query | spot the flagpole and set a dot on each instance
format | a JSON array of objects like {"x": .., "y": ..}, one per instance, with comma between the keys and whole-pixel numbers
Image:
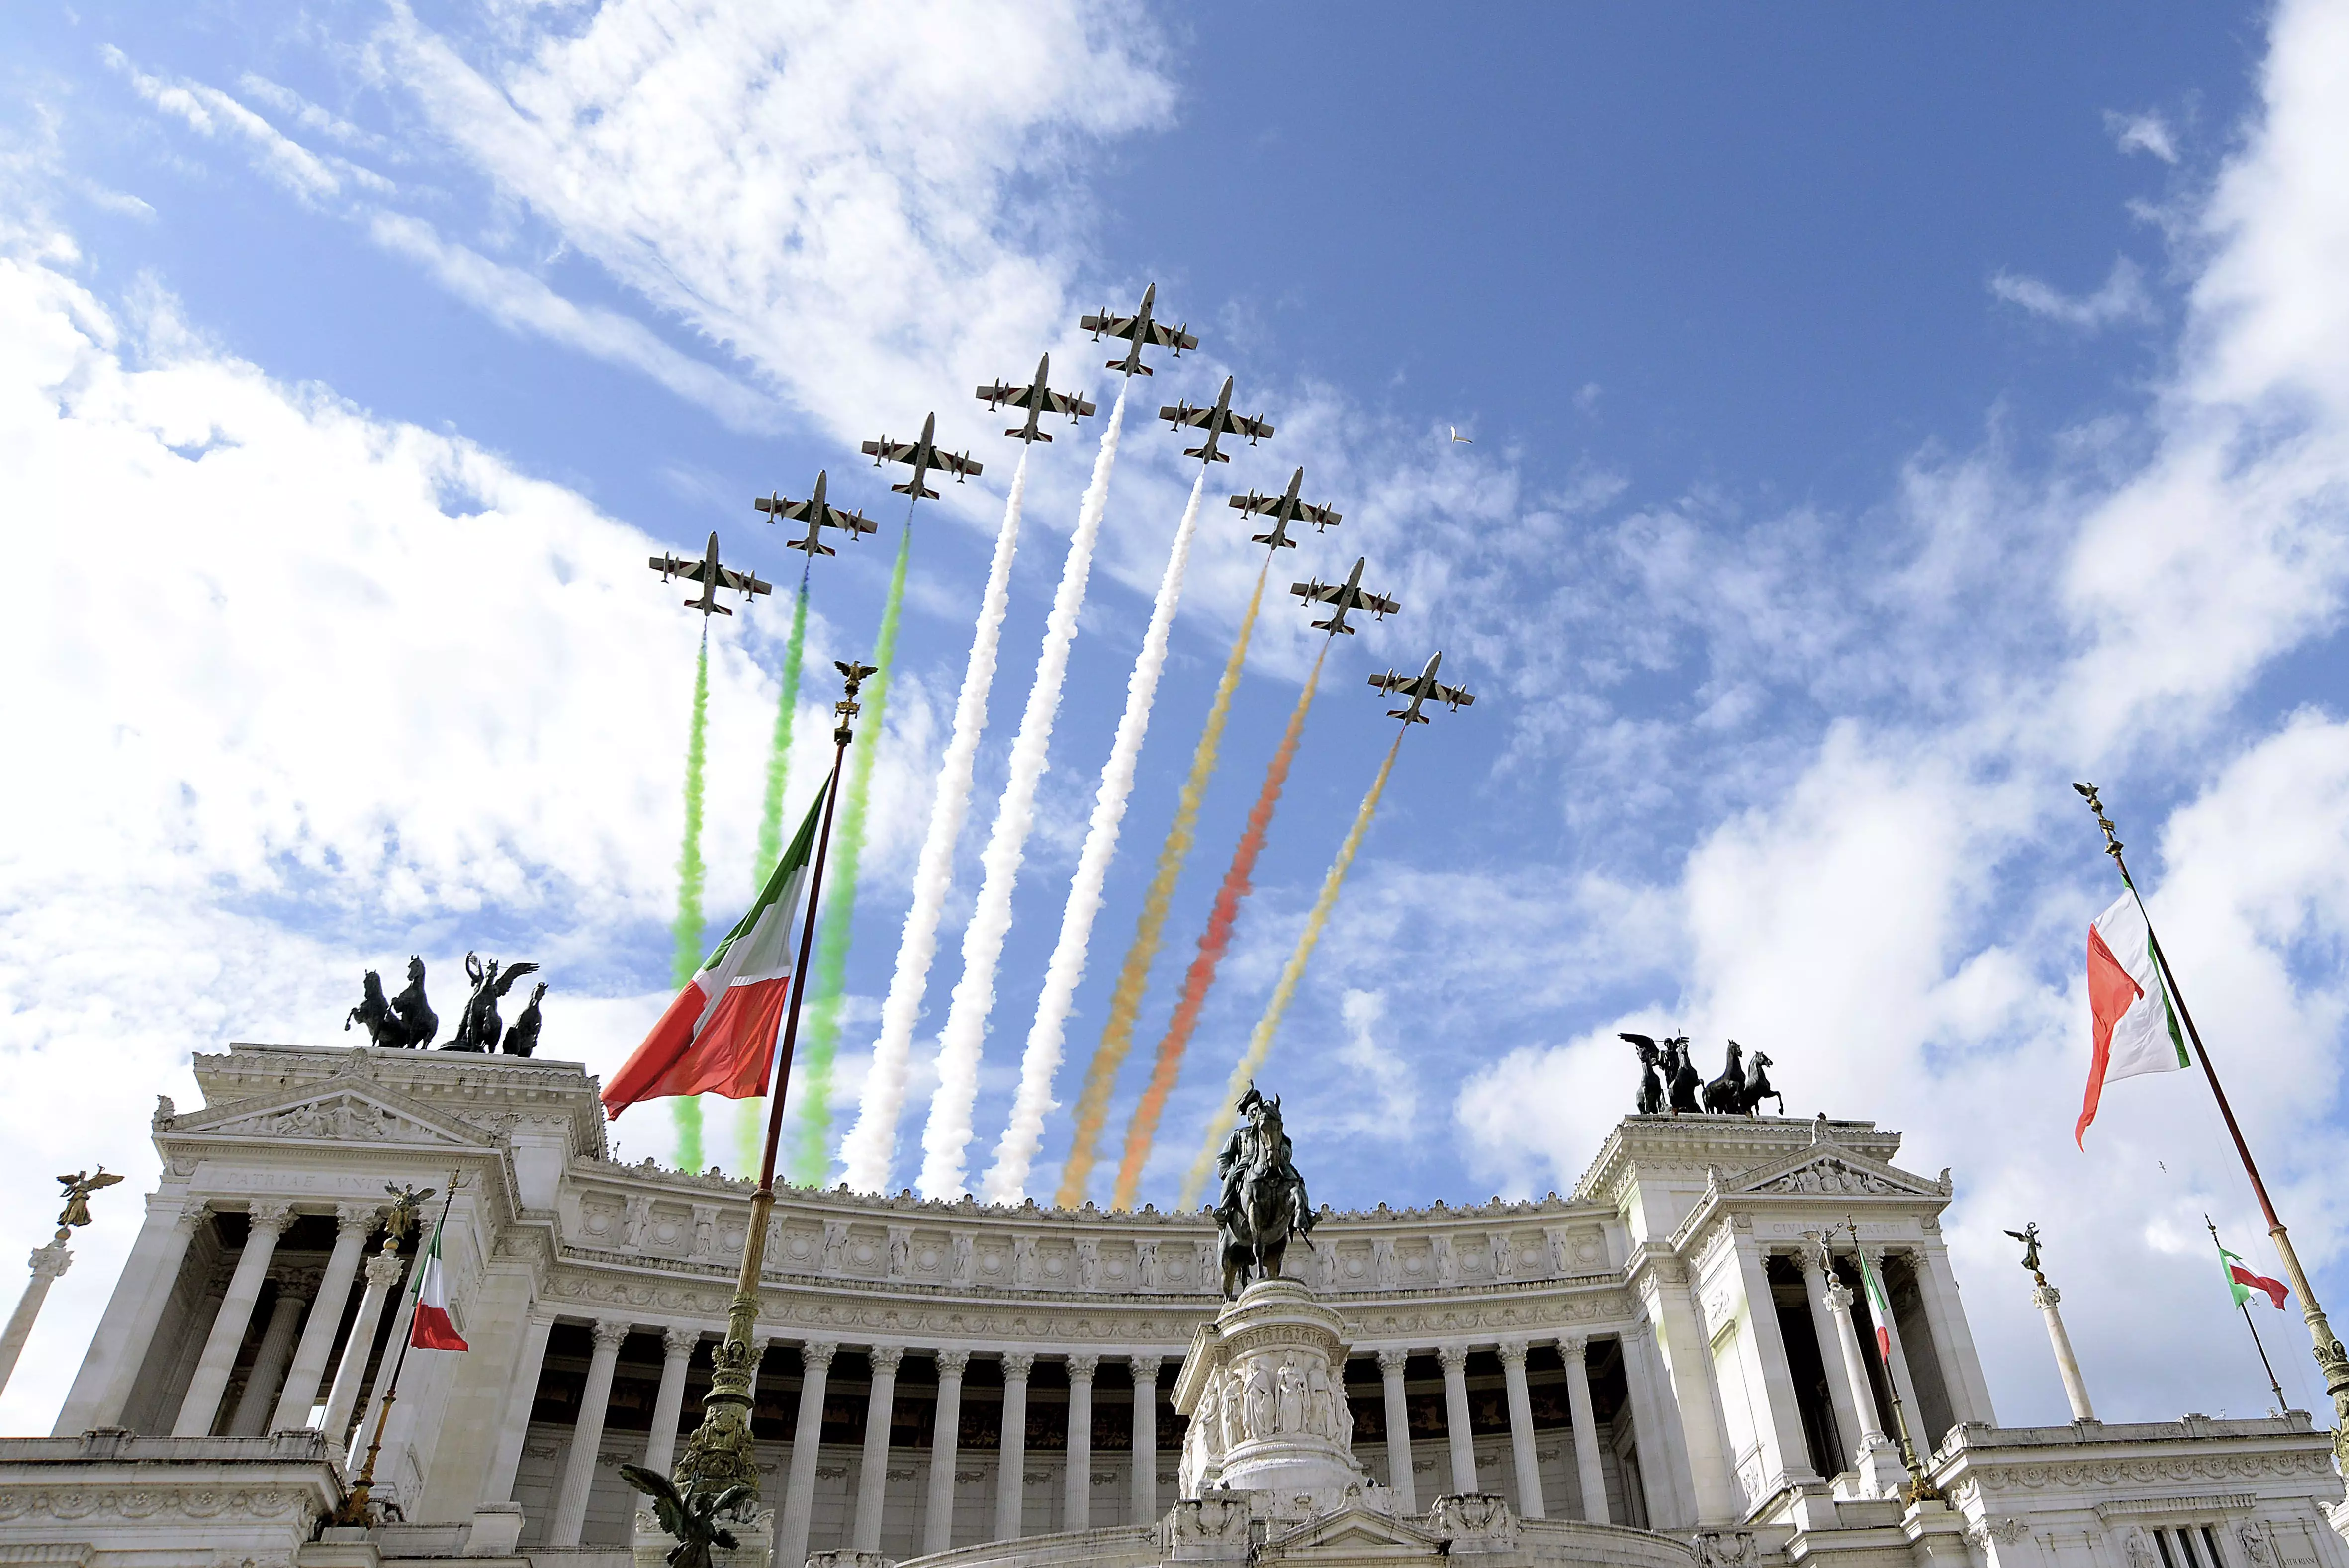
[
  {"x": 719, "y": 1456},
  {"x": 2243, "y": 1305},
  {"x": 1921, "y": 1486},
  {"x": 2331, "y": 1360},
  {"x": 354, "y": 1510}
]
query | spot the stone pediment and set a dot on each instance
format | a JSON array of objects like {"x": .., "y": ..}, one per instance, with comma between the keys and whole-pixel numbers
[
  {"x": 1353, "y": 1531},
  {"x": 330, "y": 1113},
  {"x": 1828, "y": 1169}
]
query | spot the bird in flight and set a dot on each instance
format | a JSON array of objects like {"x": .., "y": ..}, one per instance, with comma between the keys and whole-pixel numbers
[{"x": 1461, "y": 439}]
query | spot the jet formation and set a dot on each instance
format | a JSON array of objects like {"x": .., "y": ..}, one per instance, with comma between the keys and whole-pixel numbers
[{"x": 1035, "y": 400}]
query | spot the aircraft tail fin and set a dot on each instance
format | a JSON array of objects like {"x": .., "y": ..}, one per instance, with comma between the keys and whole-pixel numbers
[
  {"x": 1022, "y": 430},
  {"x": 1405, "y": 715},
  {"x": 919, "y": 492}
]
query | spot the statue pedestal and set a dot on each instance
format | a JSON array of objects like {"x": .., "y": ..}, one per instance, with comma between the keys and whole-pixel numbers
[
  {"x": 1264, "y": 1387},
  {"x": 650, "y": 1545}
]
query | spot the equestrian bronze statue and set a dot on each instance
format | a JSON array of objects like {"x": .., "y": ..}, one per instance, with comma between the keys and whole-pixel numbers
[{"x": 1264, "y": 1202}]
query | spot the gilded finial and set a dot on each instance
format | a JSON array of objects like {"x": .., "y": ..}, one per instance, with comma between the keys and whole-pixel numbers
[{"x": 2112, "y": 843}]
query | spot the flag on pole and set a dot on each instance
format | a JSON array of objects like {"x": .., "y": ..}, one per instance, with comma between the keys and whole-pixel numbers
[
  {"x": 2243, "y": 1281},
  {"x": 718, "y": 1035},
  {"x": 1879, "y": 1307},
  {"x": 2135, "y": 1021},
  {"x": 433, "y": 1331}
]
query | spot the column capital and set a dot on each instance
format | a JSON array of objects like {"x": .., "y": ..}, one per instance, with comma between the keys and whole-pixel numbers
[
  {"x": 51, "y": 1261},
  {"x": 2046, "y": 1296},
  {"x": 816, "y": 1354},
  {"x": 382, "y": 1270},
  {"x": 953, "y": 1363},
  {"x": 1840, "y": 1295},
  {"x": 269, "y": 1217},
  {"x": 677, "y": 1339},
  {"x": 357, "y": 1219},
  {"x": 1391, "y": 1362},
  {"x": 1017, "y": 1364},
  {"x": 608, "y": 1332},
  {"x": 1512, "y": 1352},
  {"x": 1083, "y": 1367},
  {"x": 1145, "y": 1367},
  {"x": 1453, "y": 1359},
  {"x": 1812, "y": 1256},
  {"x": 192, "y": 1216},
  {"x": 1573, "y": 1347},
  {"x": 885, "y": 1358}
]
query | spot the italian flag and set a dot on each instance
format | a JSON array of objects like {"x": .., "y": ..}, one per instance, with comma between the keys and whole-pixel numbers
[
  {"x": 1879, "y": 1307},
  {"x": 2135, "y": 1023},
  {"x": 2243, "y": 1281},
  {"x": 432, "y": 1329},
  {"x": 718, "y": 1035}
]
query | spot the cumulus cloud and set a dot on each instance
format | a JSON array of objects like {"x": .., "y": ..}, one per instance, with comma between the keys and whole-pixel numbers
[
  {"x": 2122, "y": 297},
  {"x": 2147, "y": 133}
]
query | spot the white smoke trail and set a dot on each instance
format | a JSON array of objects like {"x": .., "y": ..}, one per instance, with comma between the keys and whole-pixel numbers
[
  {"x": 1007, "y": 1180},
  {"x": 947, "y": 1133},
  {"x": 866, "y": 1153}
]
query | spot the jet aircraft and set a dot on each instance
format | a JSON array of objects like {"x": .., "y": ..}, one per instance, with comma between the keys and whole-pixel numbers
[
  {"x": 1037, "y": 398},
  {"x": 712, "y": 577},
  {"x": 1420, "y": 688},
  {"x": 1217, "y": 421},
  {"x": 817, "y": 513},
  {"x": 1141, "y": 331},
  {"x": 922, "y": 455},
  {"x": 1348, "y": 595},
  {"x": 1283, "y": 509}
]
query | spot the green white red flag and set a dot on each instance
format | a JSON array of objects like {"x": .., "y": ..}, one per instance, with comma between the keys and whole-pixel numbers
[
  {"x": 1879, "y": 1308},
  {"x": 2135, "y": 1020},
  {"x": 718, "y": 1035},
  {"x": 433, "y": 1330},
  {"x": 2243, "y": 1281}
]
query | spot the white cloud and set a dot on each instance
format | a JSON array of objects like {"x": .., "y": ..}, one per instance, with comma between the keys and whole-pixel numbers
[
  {"x": 2147, "y": 133},
  {"x": 2121, "y": 298}
]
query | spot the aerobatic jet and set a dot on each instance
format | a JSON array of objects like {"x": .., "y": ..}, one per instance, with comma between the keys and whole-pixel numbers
[
  {"x": 1217, "y": 421},
  {"x": 1037, "y": 398},
  {"x": 922, "y": 455},
  {"x": 817, "y": 513},
  {"x": 1140, "y": 331},
  {"x": 712, "y": 577},
  {"x": 1348, "y": 595},
  {"x": 1283, "y": 509},
  {"x": 1420, "y": 688}
]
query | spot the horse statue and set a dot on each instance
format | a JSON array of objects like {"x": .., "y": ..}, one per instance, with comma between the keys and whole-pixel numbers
[
  {"x": 416, "y": 1015},
  {"x": 522, "y": 1039},
  {"x": 1264, "y": 1203},
  {"x": 478, "y": 1027},
  {"x": 1758, "y": 1086},
  {"x": 374, "y": 1014},
  {"x": 1726, "y": 1094},
  {"x": 1651, "y": 1085},
  {"x": 1681, "y": 1074}
]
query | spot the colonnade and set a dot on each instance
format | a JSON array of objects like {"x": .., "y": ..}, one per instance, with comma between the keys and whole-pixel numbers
[{"x": 1460, "y": 1438}]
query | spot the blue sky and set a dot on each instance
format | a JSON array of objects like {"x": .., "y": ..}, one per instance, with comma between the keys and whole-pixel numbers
[{"x": 1879, "y": 420}]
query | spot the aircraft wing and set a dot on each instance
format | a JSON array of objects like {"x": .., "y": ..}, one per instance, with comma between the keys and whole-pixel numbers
[
  {"x": 1319, "y": 592},
  {"x": 1254, "y": 429},
  {"x": 958, "y": 465},
  {"x": 1109, "y": 326},
  {"x": 1167, "y": 336},
  {"x": 1378, "y": 604},
  {"x": 1064, "y": 403},
  {"x": 1318, "y": 516},
  {"x": 995, "y": 396},
  {"x": 1182, "y": 414},
  {"x": 889, "y": 451},
  {"x": 791, "y": 511},
  {"x": 670, "y": 566},
  {"x": 1453, "y": 697},
  {"x": 743, "y": 582},
  {"x": 850, "y": 521},
  {"x": 1406, "y": 685}
]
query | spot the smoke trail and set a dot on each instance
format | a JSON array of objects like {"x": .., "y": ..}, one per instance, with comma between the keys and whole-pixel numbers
[
  {"x": 1015, "y": 1152},
  {"x": 750, "y": 1115},
  {"x": 1261, "y": 1042},
  {"x": 686, "y": 934},
  {"x": 866, "y": 1151},
  {"x": 1150, "y": 930},
  {"x": 947, "y": 1133},
  {"x": 1166, "y": 1065},
  {"x": 822, "y": 1040}
]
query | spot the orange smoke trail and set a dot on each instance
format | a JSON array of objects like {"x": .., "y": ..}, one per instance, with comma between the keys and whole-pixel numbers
[
  {"x": 1150, "y": 931},
  {"x": 1214, "y": 943},
  {"x": 1261, "y": 1042}
]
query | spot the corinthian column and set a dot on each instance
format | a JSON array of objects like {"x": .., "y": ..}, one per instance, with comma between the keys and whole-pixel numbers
[
  {"x": 799, "y": 1488},
  {"x": 382, "y": 1273},
  {"x": 677, "y": 1352},
  {"x": 1579, "y": 1408},
  {"x": 252, "y": 1414},
  {"x": 946, "y": 1437},
  {"x": 266, "y": 1223},
  {"x": 1399, "y": 1480},
  {"x": 1145, "y": 1439},
  {"x": 1077, "y": 1512},
  {"x": 872, "y": 1474},
  {"x": 1454, "y": 1359},
  {"x": 1521, "y": 1429},
  {"x": 354, "y": 1223},
  {"x": 1011, "y": 1476},
  {"x": 594, "y": 1402},
  {"x": 48, "y": 1263},
  {"x": 1817, "y": 1285}
]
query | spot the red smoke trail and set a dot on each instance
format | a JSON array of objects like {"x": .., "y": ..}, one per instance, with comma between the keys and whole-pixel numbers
[{"x": 1214, "y": 943}]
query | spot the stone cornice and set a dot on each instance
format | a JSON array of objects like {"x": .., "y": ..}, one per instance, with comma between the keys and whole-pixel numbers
[{"x": 1686, "y": 1145}]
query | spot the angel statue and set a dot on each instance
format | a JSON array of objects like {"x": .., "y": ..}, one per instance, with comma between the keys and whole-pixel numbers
[
  {"x": 479, "y": 1028},
  {"x": 77, "y": 1189},
  {"x": 690, "y": 1517},
  {"x": 2028, "y": 1237},
  {"x": 401, "y": 1218}
]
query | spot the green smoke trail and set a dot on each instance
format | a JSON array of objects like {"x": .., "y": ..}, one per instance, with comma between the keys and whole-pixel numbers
[
  {"x": 822, "y": 1038},
  {"x": 687, "y": 934},
  {"x": 750, "y": 1115}
]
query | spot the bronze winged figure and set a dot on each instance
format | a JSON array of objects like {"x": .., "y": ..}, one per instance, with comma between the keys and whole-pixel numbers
[{"x": 690, "y": 1517}]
